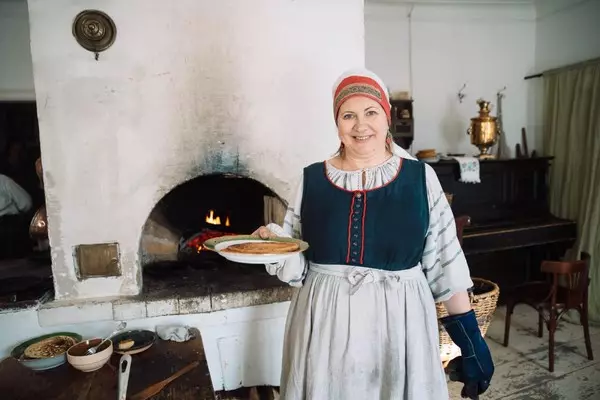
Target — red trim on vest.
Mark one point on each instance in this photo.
(362, 239)
(350, 230)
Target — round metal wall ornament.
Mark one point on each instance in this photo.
(94, 30)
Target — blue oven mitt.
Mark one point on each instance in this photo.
(475, 366)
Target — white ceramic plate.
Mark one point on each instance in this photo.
(431, 160)
(220, 243)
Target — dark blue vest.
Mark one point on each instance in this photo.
(382, 228)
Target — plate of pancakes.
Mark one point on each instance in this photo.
(428, 155)
(250, 249)
(46, 351)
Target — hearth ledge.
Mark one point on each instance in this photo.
(65, 312)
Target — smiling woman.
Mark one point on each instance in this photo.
(383, 249)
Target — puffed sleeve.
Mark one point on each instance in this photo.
(443, 261)
(293, 270)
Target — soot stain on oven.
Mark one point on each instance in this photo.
(219, 159)
(64, 286)
(219, 197)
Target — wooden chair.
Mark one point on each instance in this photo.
(568, 290)
(461, 222)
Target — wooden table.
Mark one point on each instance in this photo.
(155, 364)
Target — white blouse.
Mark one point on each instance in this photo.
(443, 261)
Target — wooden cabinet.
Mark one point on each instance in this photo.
(402, 127)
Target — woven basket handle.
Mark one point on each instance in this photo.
(470, 292)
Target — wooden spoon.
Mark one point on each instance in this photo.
(157, 387)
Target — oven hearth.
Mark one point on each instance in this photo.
(24, 283)
(213, 276)
(174, 260)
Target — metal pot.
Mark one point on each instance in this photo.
(483, 130)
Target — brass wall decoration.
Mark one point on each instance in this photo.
(97, 260)
(484, 130)
(94, 31)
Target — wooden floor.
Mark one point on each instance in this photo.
(522, 368)
(255, 393)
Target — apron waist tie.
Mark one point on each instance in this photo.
(358, 276)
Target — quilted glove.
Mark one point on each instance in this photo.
(475, 366)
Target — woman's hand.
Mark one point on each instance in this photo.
(264, 233)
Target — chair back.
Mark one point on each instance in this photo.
(571, 276)
(461, 222)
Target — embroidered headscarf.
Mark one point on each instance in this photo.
(360, 82)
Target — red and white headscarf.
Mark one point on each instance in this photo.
(360, 82)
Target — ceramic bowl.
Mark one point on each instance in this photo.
(88, 363)
(40, 364)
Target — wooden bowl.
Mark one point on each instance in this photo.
(87, 363)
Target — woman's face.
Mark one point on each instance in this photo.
(362, 126)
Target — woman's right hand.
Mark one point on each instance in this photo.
(264, 233)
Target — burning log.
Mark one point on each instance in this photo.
(196, 242)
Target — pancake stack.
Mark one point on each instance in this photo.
(262, 248)
(49, 347)
(426, 154)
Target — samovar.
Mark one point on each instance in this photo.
(483, 130)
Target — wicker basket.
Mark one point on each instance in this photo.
(484, 299)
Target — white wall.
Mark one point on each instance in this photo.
(16, 74)
(567, 32)
(485, 46)
(188, 88)
(220, 85)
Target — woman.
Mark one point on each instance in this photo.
(383, 250)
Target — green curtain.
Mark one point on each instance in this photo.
(572, 135)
